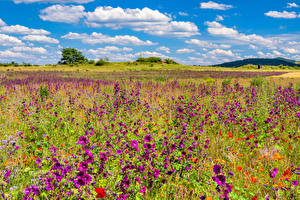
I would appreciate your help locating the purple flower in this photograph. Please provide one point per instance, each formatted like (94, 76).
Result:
(220, 179)
(7, 174)
(295, 182)
(147, 138)
(217, 169)
(86, 178)
(119, 151)
(147, 146)
(103, 157)
(155, 173)
(134, 144)
(38, 161)
(83, 166)
(273, 173)
(49, 187)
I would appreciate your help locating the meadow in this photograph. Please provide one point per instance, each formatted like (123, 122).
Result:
(149, 132)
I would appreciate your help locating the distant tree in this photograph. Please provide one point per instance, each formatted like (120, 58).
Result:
(170, 61)
(149, 60)
(100, 62)
(72, 56)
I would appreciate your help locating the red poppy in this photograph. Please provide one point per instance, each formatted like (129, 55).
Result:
(100, 192)
(251, 136)
(220, 133)
(230, 134)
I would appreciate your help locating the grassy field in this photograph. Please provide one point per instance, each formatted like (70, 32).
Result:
(122, 131)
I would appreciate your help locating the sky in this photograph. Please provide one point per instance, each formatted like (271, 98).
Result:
(195, 32)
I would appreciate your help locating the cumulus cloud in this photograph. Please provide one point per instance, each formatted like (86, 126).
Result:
(59, 13)
(40, 38)
(164, 49)
(146, 54)
(284, 14)
(291, 50)
(221, 52)
(219, 18)
(217, 29)
(183, 14)
(206, 44)
(146, 19)
(99, 38)
(185, 50)
(53, 1)
(215, 6)
(6, 40)
(2, 23)
(11, 54)
(108, 49)
(18, 29)
(38, 50)
(292, 5)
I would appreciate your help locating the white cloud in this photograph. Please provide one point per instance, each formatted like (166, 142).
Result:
(292, 5)
(217, 29)
(219, 18)
(284, 14)
(206, 44)
(58, 13)
(108, 49)
(277, 53)
(146, 54)
(10, 54)
(183, 14)
(53, 1)
(291, 50)
(6, 40)
(18, 29)
(163, 48)
(2, 23)
(221, 52)
(40, 38)
(215, 6)
(99, 38)
(39, 50)
(147, 20)
(185, 50)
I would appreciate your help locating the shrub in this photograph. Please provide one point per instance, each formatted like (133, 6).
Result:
(44, 92)
(257, 81)
(92, 62)
(100, 62)
(150, 60)
(170, 61)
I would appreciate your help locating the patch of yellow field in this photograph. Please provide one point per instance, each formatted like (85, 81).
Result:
(290, 75)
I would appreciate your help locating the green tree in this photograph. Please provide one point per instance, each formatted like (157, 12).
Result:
(71, 56)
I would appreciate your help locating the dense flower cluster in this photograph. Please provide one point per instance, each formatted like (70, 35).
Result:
(147, 140)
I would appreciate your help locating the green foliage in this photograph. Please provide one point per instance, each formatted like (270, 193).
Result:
(92, 62)
(149, 60)
(257, 81)
(72, 56)
(44, 92)
(170, 61)
(101, 62)
(226, 82)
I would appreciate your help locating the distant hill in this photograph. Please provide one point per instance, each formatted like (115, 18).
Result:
(261, 61)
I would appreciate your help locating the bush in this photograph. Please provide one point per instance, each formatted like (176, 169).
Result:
(71, 56)
(44, 92)
(226, 82)
(257, 81)
(149, 60)
(100, 62)
(170, 61)
(92, 62)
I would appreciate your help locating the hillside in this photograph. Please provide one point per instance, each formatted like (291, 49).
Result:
(261, 61)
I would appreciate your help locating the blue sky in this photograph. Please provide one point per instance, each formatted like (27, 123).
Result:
(191, 32)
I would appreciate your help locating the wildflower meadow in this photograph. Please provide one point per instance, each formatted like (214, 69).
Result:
(73, 137)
